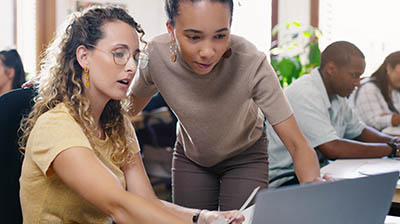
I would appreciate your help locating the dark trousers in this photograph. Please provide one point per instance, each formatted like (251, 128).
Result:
(224, 186)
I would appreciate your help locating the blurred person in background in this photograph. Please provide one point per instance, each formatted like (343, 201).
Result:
(12, 73)
(377, 100)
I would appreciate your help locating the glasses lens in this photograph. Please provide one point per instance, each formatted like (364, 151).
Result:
(121, 56)
(143, 60)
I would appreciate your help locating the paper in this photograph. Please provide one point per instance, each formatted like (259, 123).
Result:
(245, 204)
(377, 167)
(394, 131)
(248, 214)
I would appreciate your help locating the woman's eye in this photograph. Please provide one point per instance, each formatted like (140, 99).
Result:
(118, 54)
(193, 37)
(220, 36)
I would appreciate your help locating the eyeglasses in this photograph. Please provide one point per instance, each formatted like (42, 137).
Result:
(122, 55)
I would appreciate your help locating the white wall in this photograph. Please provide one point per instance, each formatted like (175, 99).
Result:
(6, 24)
(149, 13)
(251, 20)
(292, 10)
(374, 29)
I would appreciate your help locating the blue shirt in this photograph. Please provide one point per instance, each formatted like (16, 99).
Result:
(320, 120)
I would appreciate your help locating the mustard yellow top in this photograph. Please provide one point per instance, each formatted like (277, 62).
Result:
(44, 197)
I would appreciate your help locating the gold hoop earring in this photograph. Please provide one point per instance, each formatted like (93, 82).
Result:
(227, 53)
(86, 75)
(173, 49)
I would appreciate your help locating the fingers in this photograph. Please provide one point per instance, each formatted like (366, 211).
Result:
(30, 83)
(27, 84)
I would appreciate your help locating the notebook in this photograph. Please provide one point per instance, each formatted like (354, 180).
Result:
(365, 200)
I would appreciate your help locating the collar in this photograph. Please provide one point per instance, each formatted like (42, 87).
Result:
(316, 78)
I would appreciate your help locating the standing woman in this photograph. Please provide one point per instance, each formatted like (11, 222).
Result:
(216, 83)
(377, 100)
(82, 162)
(12, 73)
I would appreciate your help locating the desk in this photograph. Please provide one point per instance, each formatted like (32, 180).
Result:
(353, 168)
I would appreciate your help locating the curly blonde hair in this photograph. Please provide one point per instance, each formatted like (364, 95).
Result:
(61, 82)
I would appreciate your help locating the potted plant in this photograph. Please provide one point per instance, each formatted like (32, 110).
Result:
(296, 53)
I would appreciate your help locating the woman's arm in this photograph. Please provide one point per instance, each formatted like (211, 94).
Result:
(138, 104)
(305, 160)
(81, 170)
(138, 183)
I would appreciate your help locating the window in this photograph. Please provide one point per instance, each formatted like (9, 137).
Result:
(26, 34)
(7, 24)
(252, 20)
(371, 25)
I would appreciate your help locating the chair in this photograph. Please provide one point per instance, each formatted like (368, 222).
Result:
(13, 105)
(157, 135)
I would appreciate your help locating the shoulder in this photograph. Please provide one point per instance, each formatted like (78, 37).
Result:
(162, 40)
(58, 117)
(303, 87)
(244, 48)
(368, 86)
(246, 58)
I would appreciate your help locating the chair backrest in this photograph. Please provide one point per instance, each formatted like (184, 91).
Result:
(13, 105)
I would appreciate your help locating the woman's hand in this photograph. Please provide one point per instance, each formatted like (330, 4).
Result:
(326, 177)
(30, 83)
(215, 217)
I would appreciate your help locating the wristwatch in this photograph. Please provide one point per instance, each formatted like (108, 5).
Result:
(393, 145)
(196, 216)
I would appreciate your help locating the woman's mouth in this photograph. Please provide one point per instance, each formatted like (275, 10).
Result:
(124, 83)
(202, 66)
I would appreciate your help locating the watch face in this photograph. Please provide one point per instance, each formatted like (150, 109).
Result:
(196, 216)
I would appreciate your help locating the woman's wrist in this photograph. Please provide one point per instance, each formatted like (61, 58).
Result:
(196, 216)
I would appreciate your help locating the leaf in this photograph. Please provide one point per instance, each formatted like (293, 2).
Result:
(314, 55)
(296, 24)
(317, 33)
(275, 63)
(307, 34)
(289, 68)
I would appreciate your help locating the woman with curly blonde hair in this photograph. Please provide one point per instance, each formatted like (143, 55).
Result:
(82, 162)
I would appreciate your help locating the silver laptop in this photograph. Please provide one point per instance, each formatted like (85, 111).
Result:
(365, 200)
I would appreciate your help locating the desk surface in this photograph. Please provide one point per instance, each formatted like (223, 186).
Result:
(394, 131)
(353, 168)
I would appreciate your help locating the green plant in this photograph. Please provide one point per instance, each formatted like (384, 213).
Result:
(296, 53)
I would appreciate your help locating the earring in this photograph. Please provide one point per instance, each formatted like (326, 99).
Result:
(227, 53)
(87, 82)
(173, 49)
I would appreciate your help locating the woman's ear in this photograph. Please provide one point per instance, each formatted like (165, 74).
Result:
(10, 72)
(170, 29)
(82, 55)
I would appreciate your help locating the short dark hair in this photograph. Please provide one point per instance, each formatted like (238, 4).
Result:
(11, 59)
(340, 53)
(172, 7)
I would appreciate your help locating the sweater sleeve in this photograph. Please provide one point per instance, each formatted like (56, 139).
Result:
(267, 93)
